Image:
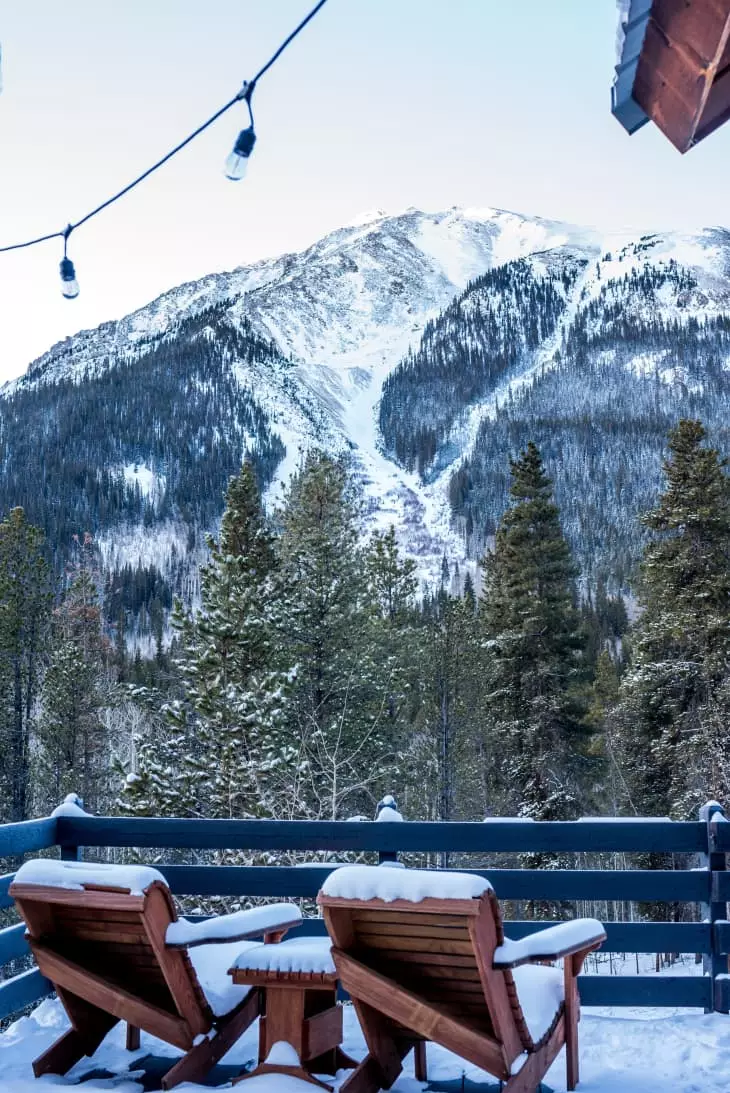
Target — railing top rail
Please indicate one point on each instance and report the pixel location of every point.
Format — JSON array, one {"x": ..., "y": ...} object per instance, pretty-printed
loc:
[
  {"x": 302, "y": 835},
  {"x": 27, "y": 836}
]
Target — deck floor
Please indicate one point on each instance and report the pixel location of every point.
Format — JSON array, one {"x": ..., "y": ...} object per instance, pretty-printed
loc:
[{"x": 630, "y": 1052}]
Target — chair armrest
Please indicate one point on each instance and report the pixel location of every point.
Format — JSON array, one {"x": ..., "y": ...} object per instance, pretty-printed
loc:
[
  {"x": 239, "y": 926},
  {"x": 564, "y": 939}
]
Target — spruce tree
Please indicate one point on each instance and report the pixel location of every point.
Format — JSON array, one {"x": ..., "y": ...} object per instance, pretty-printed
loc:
[
  {"x": 532, "y": 653},
  {"x": 228, "y": 726},
  {"x": 676, "y": 686}
]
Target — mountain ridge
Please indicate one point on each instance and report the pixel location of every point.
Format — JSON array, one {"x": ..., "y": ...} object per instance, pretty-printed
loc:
[{"x": 316, "y": 342}]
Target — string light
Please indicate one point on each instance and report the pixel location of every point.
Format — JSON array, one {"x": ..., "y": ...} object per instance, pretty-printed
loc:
[
  {"x": 236, "y": 164},
  {"x": 69, "y": 284}
]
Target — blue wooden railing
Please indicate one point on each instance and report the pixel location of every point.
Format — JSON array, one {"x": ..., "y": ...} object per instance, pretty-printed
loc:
[{"x": 705, "y": 883}]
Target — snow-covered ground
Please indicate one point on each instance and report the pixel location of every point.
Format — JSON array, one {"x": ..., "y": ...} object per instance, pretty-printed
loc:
[{"x": 647, "y": 1051}]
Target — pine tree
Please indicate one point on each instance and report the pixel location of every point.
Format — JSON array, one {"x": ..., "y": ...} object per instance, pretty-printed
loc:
[
  {"x": 532, "y": 648},
  {"x": 25, "y": 605},
  {"x": 676, "y": 687},
  {"x": 228, "y": 727},
  {"x": 72, "y": 748}
]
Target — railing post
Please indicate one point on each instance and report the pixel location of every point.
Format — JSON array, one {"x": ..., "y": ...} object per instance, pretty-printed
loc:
[
  {"x": 387, "y": 812},
  {"x": 714, "y": 963},
  {"x": 72, "y": 805}
]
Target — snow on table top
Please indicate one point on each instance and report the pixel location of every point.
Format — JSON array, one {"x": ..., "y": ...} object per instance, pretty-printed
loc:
[
  {"x": 211, "y": 963},
  {"x": 299, "y": 954},
  {"x": 554, "y": 939},
  {"x": 223, "y": 927},
  {"x": 47, "y": 873},
  {"x": 541, "y": 991},
  {"x": 414, "y": 885}
]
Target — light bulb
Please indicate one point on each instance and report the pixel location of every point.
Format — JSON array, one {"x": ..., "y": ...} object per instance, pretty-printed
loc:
[
  {"x": 237, "y": 162},
  {"x": 69, "y": 284}
]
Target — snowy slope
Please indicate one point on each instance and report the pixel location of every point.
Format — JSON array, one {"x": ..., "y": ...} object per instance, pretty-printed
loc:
[{"x": 345, "y": 311}]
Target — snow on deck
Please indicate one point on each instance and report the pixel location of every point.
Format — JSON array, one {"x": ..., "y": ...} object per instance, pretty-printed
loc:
[{"x": 647, "y": 1051}]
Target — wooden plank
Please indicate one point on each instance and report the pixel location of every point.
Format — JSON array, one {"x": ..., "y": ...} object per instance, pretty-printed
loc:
[
  {"x": 284, "y": 980},
  {"x": 645, "y": 990},
  {"x": 321, "y": 1033},
  {"x": 469, "y": 908},
  {"x": 403, "y": 918},
  {"x": 389, "y": 998},
  {"x": 527, "y": 1079},
  {"x": 717, "y": 110},
  {"x": 682, "y": 53},
  {"x": 403, "y": 943},
  {"x": 623, "y": 937},
  {"x": 6, "y": 879},
  {"x": 463, "y": 966},
  {"x": 101, "y": 900},
  {"x": 175, "y": 966},
  {"x": 559, "y": 884},
  {"x": 508, "y": 1024},
  {"x": 27, "y": 837},
  {"x": 338, "y": 836},
  {"x": 411, "y": 929},
  {"x": 23, "y": 990},
  {"x": 665, "y": 885},
  {"x": 572, "y": 1016},
  {"x": 635, "y": 937},
  {"x": 12, "y": 943},
  {"x": 61, "y": 1055},
  {"x": 88, "y": 916},
  {"x": 100, "y": 933},
  {"x": 113, "y": 999},
  {"x": 204, "y": 1055},
  {"x": 383, "y": 1047}
]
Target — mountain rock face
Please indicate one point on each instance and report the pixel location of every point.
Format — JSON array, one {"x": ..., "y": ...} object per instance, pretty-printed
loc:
[{"x": 427, "y": 346}]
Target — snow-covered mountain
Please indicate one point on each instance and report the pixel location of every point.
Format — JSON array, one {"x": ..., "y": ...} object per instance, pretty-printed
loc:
[{"x": 402, "y": 340}]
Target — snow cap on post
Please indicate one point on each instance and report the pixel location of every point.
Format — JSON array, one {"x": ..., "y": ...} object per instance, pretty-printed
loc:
[
  {"x": 72, "y": 805},
  {"x": 387, "y": 810},
  {"x": 712, "y": 810}
]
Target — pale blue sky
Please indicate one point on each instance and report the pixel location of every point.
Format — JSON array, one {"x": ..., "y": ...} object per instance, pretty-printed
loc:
[{"x": 379, "y": 103}]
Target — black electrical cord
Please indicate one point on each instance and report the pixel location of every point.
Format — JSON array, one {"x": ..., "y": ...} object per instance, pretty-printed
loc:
[{"x": 244, "y": 94}]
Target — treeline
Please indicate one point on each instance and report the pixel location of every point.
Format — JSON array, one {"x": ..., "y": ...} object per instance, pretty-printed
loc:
[{"x": 313, "y": 677}]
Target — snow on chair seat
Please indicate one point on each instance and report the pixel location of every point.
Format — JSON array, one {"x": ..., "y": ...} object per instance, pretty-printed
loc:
[
  {"x": 98, "y": 932},
  {"x": 416, "y": 951}
]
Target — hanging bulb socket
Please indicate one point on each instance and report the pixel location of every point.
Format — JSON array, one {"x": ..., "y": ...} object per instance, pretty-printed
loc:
[
  {"x": 69, "y": 284},
  {"x": 237, "y": 162}
]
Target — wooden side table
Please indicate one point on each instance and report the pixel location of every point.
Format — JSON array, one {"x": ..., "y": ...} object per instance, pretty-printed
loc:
[{"x": 300, "y": 1007}]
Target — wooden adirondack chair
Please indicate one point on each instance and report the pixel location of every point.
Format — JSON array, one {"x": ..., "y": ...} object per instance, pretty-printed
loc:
[
  {"x": 422, "y": 967},
  {"x": 102, "y": 935}
]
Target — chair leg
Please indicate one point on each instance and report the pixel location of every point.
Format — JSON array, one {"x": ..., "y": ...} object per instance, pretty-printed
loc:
[
  {"x": 62, "y": 1055},
  {"x": 572, "y": 1015},
  {"x": 89, "y": 1026},
  {"x": 386, "y": 1052},
  {"x": 206, "y": 1054},
  {"x": 419, "y": 1061},
  {"x": 132, "y": 1037}
]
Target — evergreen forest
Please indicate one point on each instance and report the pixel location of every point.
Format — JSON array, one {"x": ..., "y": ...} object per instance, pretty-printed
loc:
[{"x": 312, "y": 678}]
